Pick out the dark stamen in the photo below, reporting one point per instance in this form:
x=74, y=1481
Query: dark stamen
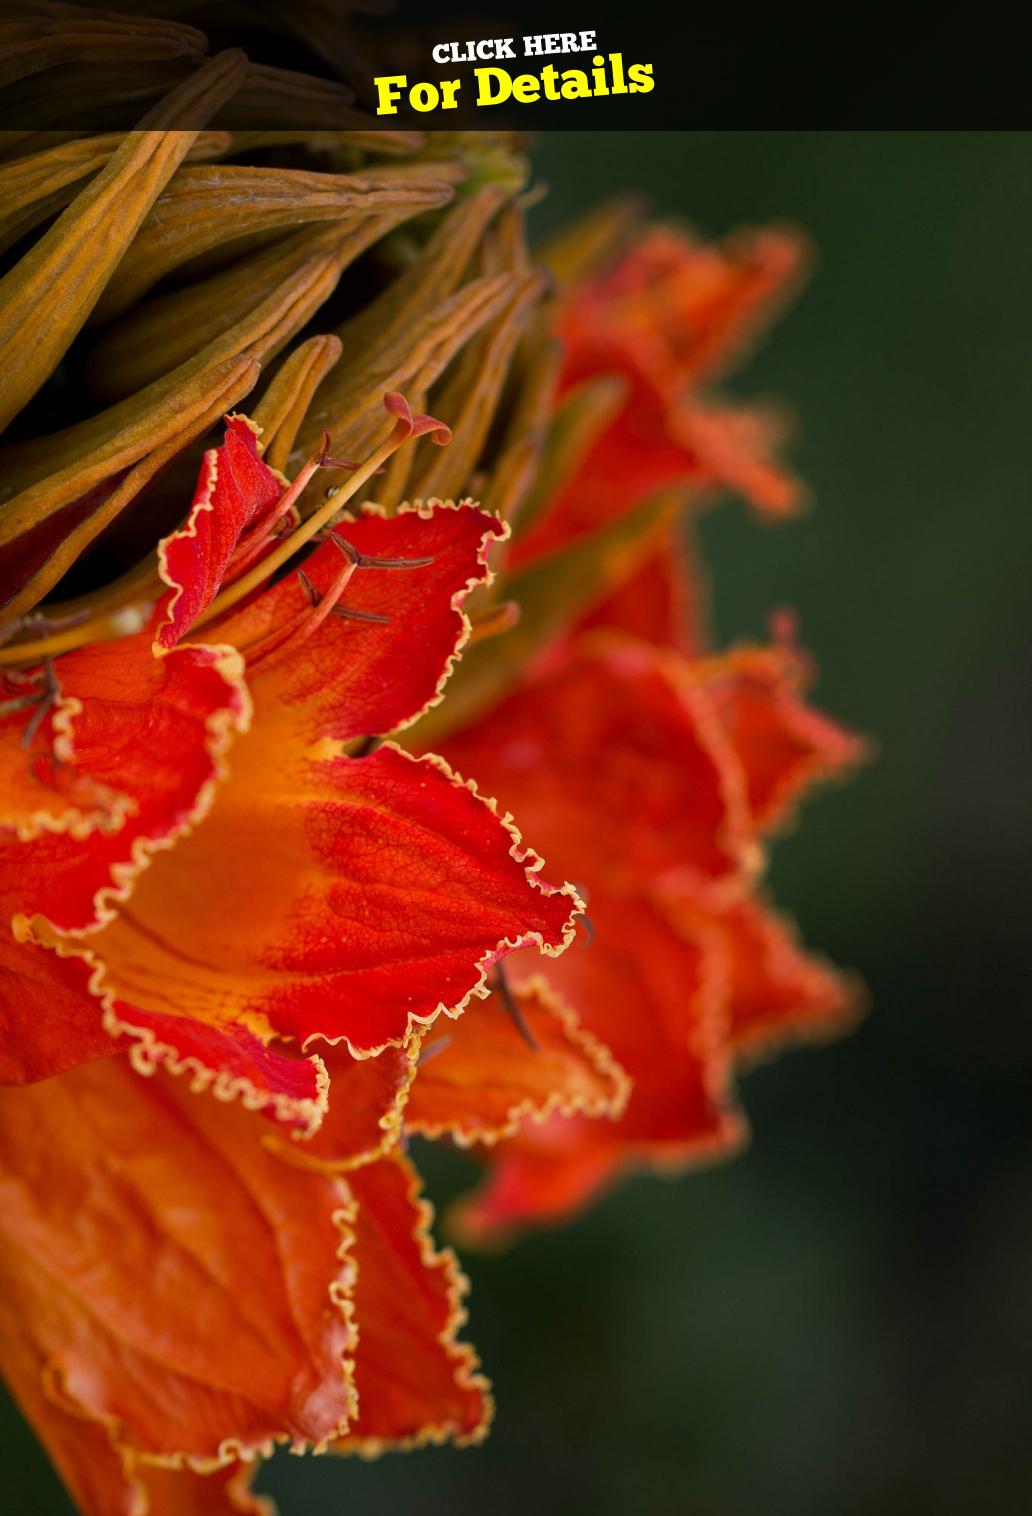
x=44, y=699
x=361, y=560
x=434, y=1048
x=345, y=612
x=501, y=983
x=309, y=588
x=41, y=625
x=348, y=613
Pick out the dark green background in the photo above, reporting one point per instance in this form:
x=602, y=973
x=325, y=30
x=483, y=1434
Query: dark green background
x=840, y=1322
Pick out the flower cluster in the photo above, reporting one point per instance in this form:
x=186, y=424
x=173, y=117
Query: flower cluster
x=259, y=869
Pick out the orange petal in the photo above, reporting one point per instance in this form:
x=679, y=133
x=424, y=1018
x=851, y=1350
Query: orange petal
x=416, y=1382
x=658, y=998
x=221, y=1320
x=480, y=1080
x=784, y=744
x=331, y=897
x=664, y=602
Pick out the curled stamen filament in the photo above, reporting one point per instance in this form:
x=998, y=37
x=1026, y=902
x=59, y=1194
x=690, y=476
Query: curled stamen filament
x=512, y=1007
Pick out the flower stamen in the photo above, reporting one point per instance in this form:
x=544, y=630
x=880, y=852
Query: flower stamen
x=500, y=982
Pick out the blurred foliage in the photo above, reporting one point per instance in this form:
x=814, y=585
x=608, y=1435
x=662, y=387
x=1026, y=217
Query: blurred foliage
x=840, y=1322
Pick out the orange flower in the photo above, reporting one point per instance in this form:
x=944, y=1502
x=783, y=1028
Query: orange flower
x=218, y=874
x=202, y=872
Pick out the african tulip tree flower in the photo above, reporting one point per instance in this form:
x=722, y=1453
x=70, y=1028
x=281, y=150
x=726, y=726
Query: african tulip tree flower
x=266, y=913
x=316, y=860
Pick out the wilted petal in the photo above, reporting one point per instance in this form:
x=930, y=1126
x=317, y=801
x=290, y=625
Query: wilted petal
x=68, y=268
x=192, y=218
x=70, y=34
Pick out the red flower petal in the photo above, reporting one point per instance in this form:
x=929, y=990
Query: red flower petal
x=784, y=744
x=616, y=761
x=348, y=678
x=105, y=1479
x=220, y=1321
x=331, y=897
x=236, y=492
x=663, y=603
x=664, y=317
x=49, y=1021
x=367, y=1099
x=534, y=1183
x=778, y=992
x=229, y=1061
x=416, y=1382
x=148, y=733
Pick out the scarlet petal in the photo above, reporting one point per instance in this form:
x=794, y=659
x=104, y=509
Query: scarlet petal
x=335, y=898
x=664, y=318
x=235, y=493
x=416, y=1382
x=220, y=1320
x=480, y=1080
x=536, y=1184
x=624, y=774
x=663, y=603
x=658, y=999
x=617, y=762
x=349, y=678
x=229, y=1061
x=778, y=992
x=784, y=744
x=106, y=1480
x=150, y=733
x=49, y=1020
